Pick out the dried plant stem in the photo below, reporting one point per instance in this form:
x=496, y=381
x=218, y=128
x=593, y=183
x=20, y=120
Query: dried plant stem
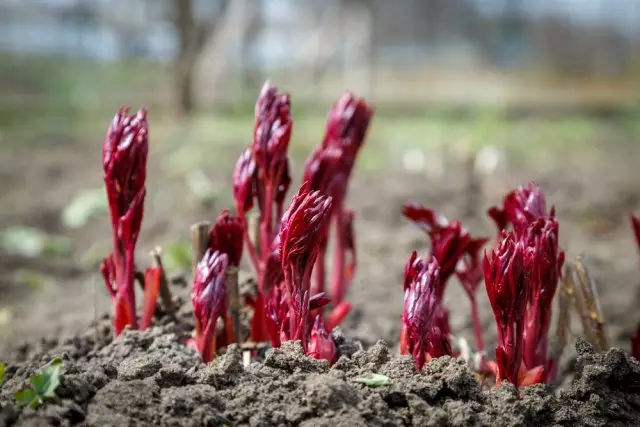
x=233, y=294
x=563, y=325
x=590, y=291
x=254, y=234
x=199, y=243
x=582, y=288
x=165, y=292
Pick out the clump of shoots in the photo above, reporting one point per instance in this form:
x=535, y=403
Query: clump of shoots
x=261, y=179
x=508, y=291
x=124, y=160
x=525, y=210
x=209, y=299
x=457, y=253
x=303, y=224
x=328, y=170
x=421, y=336
x=543, y=263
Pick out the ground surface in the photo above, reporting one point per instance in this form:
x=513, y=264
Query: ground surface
x=150, y=378
x=591, y=177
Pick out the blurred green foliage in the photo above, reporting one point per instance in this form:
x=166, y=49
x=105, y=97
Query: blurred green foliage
x=42, y=96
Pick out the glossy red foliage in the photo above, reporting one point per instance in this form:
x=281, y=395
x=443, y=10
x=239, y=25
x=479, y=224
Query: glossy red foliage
x=272, y=133
x=420, y=334
x=226, y=237
x=209, y=298
x=450, y=242
x=302, y=227
x=508, y=292
x=244, y=182
x=521, y=207
x=124, y=160
x=120, y=312
x=152, y=279
x=321, y=345
x=456, y=252
x=328, y=170
x=543, y=263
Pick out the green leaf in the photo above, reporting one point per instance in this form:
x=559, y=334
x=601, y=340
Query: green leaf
x=2, y=369
x=374, y=380
x=46, y=383
x=26, y=396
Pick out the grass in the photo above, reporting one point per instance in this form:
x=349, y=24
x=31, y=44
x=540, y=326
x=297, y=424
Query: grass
x=57, y=97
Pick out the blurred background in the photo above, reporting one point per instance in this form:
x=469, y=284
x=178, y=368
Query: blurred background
x=472, y=97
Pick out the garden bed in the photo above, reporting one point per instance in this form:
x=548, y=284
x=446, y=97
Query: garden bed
x=152, y=378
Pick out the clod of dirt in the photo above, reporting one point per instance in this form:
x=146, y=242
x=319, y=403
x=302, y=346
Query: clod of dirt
x=151, y=378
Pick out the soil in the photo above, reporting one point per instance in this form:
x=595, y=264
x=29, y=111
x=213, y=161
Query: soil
x=151, y=378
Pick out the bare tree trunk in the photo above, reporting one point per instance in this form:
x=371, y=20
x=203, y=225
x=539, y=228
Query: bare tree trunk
x=191, y=39
x=184, y=22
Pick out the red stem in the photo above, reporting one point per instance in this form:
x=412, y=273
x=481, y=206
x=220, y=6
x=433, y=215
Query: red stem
x=319, y=271
x=206, y=343
x=337, y=315
x=259, y=321
x=129, y=287
x=265, y=224
x=338, y=283
x=516, y=360
x=288, y=285
x=477, y=327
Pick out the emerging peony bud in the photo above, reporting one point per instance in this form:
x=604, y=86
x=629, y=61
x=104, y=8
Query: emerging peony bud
x=450, y=242
x=124, y=160
x=226, y=237
x=508, y=292
x=420, y=336
x=209, y=298
x=303, y=225
x=244, y=182
x=347, y=125
x=543, y=262
x=321, y=345
x=272, y=132
x=521, y=207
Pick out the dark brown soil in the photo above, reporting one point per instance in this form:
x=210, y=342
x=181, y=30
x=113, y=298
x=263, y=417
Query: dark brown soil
x=151, y=378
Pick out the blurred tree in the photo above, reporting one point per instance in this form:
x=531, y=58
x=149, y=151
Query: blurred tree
x=192, y=35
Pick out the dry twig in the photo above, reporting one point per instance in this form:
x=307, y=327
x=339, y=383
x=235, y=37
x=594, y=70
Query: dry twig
x=581, y=286
x=199, y=243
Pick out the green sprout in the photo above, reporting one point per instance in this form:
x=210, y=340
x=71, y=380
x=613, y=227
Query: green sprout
x=43, y=385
